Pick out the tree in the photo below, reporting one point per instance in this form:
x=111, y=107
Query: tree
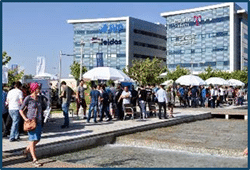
x=209, y=72
x=13, y=75
x=146, y=71
x=178, y=72
x=241, y=75
x=5, y=58
x=75, y=70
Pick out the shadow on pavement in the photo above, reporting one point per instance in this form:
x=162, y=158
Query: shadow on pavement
x=78, y=160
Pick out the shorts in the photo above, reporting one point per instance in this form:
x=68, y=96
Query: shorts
x=35, y=135
x=82, y=103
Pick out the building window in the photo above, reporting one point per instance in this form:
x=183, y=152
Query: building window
x=246, y=36
x=246, y=50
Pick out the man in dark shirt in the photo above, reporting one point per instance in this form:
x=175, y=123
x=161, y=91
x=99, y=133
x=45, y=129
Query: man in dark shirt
x=105, y=104
x=134, y=94
x=194, y=96
x=66, y=95
x=95, y=96
x=119, y=111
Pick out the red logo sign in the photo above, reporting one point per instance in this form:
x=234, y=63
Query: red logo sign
x=197, y=20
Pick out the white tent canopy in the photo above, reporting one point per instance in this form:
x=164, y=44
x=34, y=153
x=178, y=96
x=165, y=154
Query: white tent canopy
x=106, y=73
x=168, y=82
x=234, y=82
x=162, y=75
x=190, y=80
x=216, y=81
x=46, y=75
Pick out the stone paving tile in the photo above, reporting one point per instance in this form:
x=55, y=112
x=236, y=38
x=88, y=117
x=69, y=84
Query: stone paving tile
x=79, y=128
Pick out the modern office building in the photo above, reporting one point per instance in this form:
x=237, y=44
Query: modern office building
x=215, y=35
x=115, y=42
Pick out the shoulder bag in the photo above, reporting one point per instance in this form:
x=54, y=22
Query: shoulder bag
x=30, y=125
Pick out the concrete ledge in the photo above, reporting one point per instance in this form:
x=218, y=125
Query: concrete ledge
x=102, y=138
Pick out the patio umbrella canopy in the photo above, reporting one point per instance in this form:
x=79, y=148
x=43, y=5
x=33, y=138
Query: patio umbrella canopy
x=234, y=82
x=168, y=82
x=106, y=73
x=190, y=80
x=216, y=81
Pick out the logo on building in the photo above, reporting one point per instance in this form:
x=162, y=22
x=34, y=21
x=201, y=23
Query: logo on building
x=111, y=28
x=197, y=19
x=111, y=42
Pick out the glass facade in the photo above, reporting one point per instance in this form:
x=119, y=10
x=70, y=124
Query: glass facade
x=196, y=40
x=113, y=46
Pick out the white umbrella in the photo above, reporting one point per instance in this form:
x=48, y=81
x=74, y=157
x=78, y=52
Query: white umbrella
x=168, y=82
x=234, y=82
x=162, y=75
x=46, y=75
x=190, y=80
x=106, y=73
x=216, y=81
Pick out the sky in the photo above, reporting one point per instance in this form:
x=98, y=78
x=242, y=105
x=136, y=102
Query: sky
x=31, y=30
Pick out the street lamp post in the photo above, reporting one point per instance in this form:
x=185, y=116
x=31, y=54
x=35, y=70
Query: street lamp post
x=60, y=71
x=82, y=45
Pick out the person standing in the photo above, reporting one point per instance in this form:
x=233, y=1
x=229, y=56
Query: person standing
x=170, y=99
x=94, y=98
x=14, y=100
x=126, y=96
x=33, y=104
x=119, y=110
x=80, y=99
x=112, y=102
x=105, y=104
x=162, y=100
x=134, y=94
x=142, y=96
x=213, y=97
x=6, y=119
x=203, y=96
x=66, y=95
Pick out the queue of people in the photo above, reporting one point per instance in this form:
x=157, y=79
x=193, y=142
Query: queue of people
x=210, y=96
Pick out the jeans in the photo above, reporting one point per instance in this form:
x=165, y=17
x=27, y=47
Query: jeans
x=193, y=101
x=65, y=109
x=213, y=101
x=105, y=108
x=142, y=105
x=203, y=99
x=162, y=104
x=240, y=101
x=14, y=132
x=93, y=106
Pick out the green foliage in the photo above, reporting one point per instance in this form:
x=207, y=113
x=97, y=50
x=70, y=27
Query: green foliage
x=13, y=77
x=75, y=70
x=146, y=71
x=178, y=72
x=5, y=58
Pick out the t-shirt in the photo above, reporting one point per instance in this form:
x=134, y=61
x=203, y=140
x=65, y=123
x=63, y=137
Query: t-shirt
x=142, y=95
x=67, y=98
x=13, y=99
x=81, y=90
x=33, y=105
x=94, y=94
x=126, y=100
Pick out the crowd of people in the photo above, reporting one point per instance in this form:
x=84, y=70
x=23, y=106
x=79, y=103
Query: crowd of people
x=211, y=96
x=23, y=102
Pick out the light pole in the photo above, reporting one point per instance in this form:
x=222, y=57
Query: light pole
x=82, y=43
x=60, y=71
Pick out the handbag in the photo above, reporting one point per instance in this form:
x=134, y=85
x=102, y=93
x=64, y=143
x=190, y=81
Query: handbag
x=30, y=125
